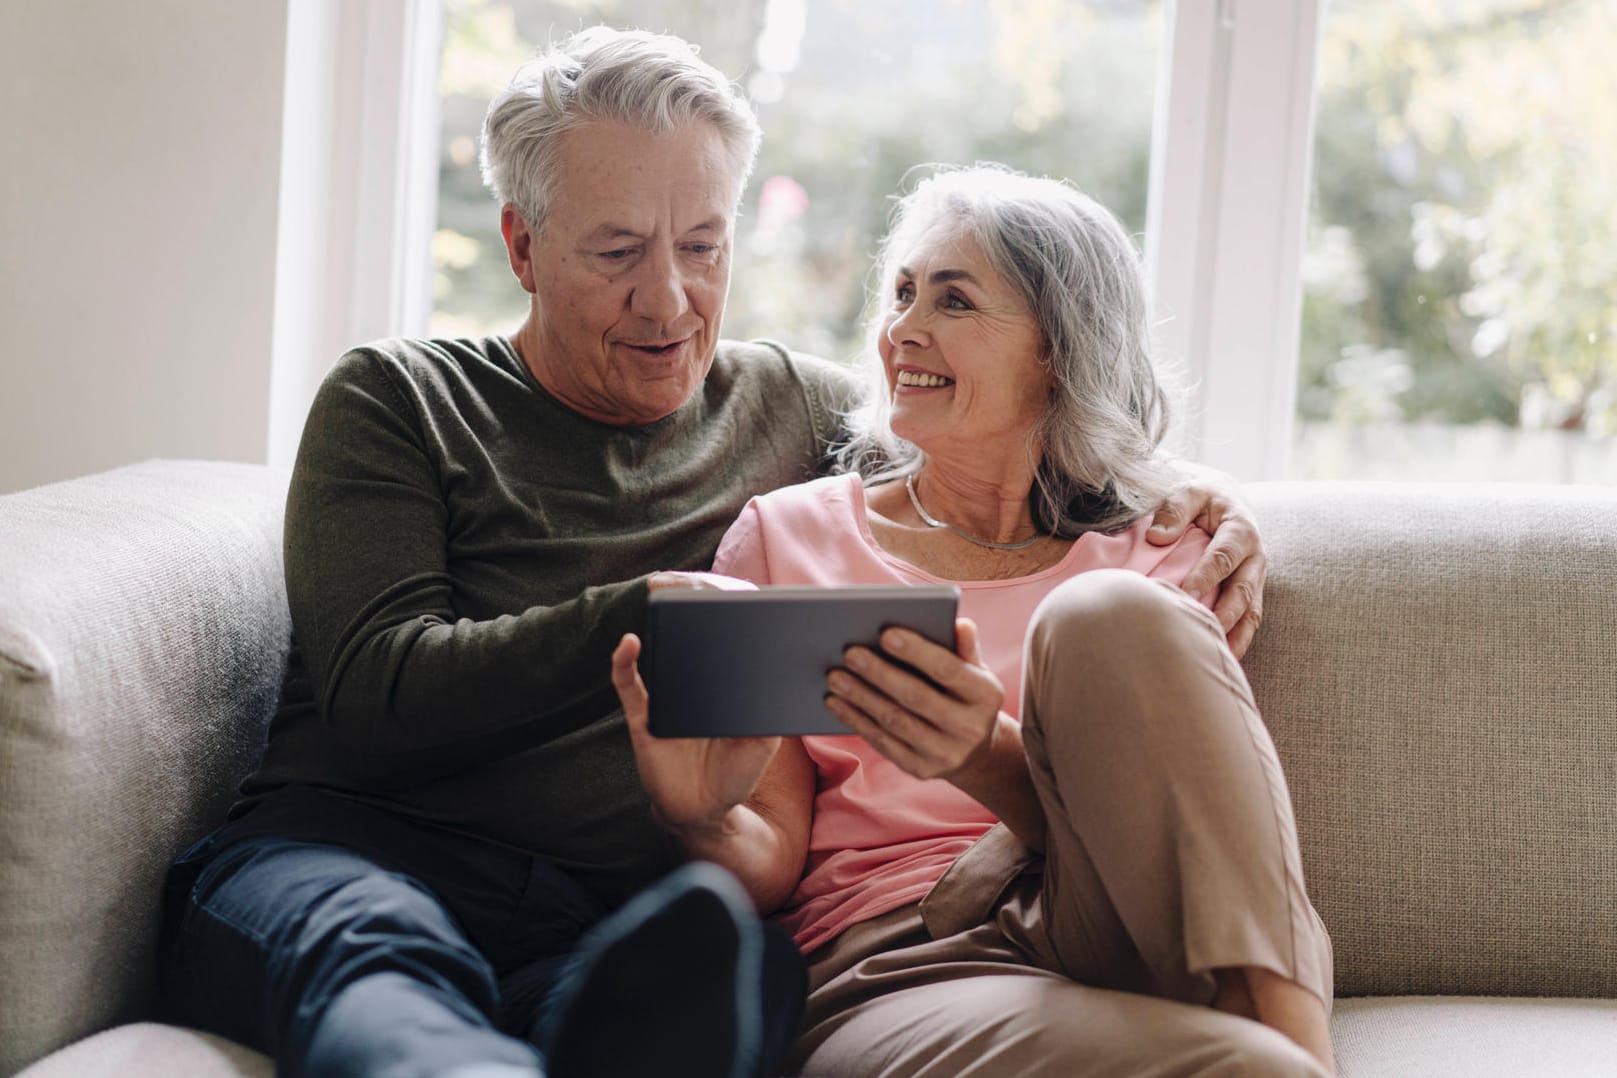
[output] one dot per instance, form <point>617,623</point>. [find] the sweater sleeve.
<point>393,669</point>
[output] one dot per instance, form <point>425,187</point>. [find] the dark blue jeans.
<point>346,940</point>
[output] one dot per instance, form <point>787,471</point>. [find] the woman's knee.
<point>1100,636</point>
<point>1105,616</point>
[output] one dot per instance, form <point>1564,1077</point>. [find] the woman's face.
<point>961,349</point>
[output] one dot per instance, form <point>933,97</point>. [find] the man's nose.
<point>659,288</point>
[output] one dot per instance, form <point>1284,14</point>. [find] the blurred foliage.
<point>1460,265</point>
<point>851,96</point>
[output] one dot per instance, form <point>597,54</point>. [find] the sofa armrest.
<point>143,636</point>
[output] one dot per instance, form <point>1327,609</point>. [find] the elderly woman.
<point>1010,448</point>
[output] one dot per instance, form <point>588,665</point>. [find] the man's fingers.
<point>626,680</point>
<point>1237,598</point>
<point>1171,519</point>
<point>1217,564</point>
<point>1241,637</point>
<point>624,657</point>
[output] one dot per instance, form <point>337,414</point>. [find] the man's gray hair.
<point>1080,274</point>
<point>652,81</point>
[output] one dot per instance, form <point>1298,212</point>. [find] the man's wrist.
<point>698,833</point>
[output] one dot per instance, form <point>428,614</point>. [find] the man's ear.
<point>518,244</point>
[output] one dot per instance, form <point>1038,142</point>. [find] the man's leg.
<point>682,981</point>
<point>331,963</point>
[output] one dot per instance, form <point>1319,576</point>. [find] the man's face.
<point>629,270</point>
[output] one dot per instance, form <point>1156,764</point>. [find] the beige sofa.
<point>1438,665</point>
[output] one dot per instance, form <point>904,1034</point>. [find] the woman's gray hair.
<point>1080,274</point>
<point>652,81</point>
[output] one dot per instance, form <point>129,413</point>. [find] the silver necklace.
<point>934,522</point>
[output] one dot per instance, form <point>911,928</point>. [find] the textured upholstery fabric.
<point>1438,665</point>
<point>143,632</point>
<point>1457,1037</point>
<point>149,1050</point>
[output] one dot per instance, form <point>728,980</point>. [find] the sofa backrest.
<point>1438,666</point>
<point>143,634</point>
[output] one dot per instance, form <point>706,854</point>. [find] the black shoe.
<point>670,985</point>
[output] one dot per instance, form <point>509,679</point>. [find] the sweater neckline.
<point>668,422</point>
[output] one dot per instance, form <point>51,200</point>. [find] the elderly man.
<point>446,862</point>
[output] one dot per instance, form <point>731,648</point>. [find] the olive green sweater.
<point>463,553</point>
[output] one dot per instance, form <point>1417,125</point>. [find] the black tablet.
<point>753,663</point>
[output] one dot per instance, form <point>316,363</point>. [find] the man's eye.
<point>618,254</point>
<point>702,248</point>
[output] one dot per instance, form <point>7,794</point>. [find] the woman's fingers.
<point>928,730</point>
<point>959,674</point>
<point>881,736</point>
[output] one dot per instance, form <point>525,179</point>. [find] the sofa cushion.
<point>143,632</point>
<point>150,1050</point>
<point>1469,1037</point>
<point>1438,665</point>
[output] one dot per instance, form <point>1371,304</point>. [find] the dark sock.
<point>671,985</point>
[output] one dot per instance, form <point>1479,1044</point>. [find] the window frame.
<point>1232,148</point>
<point>359,191</point>
<point>1232,153</point>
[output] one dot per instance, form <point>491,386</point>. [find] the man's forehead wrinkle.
<point>620,229</point>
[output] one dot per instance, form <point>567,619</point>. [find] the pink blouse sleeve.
<point>1182,556</point>
<point>741,551</point>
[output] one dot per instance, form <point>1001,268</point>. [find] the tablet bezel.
<point>753,663</point>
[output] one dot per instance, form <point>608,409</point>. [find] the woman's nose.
<point>906,327</point>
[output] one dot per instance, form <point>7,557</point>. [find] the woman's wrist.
<point>998,754</point>
<point>998,779</point>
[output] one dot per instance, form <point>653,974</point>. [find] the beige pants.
<point>1172,852</point>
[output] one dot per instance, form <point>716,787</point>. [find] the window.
<point>1460,278</point>
<point>850,95</point>
<point>1380,232</point>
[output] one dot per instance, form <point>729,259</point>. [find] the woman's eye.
<point>903,293</point>
<point>956,302</point>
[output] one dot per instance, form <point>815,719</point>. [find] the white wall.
<point>138,209</point>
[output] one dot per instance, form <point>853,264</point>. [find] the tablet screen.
<point>753,663</point>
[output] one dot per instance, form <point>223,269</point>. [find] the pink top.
<point>880,838</point>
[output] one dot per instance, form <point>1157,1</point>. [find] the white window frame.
<point>1232,146</point>
<point>359,191</point>
<point>1232,150</point>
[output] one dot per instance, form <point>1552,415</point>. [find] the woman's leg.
<point>1172,847</point>
<point>891,1002</point>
